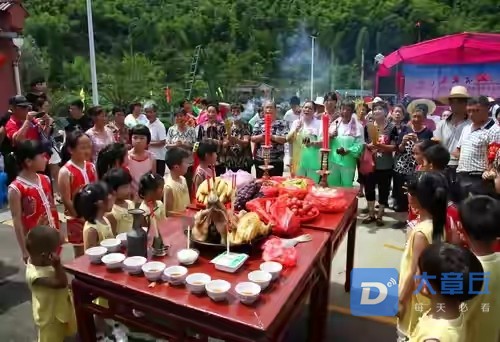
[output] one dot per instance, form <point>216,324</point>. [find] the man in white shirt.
<point>473,147</point>
<point>158,137</point>
<point>294,112</point>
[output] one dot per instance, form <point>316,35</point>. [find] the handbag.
<point>366,162</point>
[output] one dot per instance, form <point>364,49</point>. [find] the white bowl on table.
<point>187,256</point>
<point>272,267</point>
<point>248,292</point>
<point>123,239</point>
<point>96,253</point>
<point>113,245</point>
<point>153,270</point>
<point>260,278</point>
<point>196,282</point>
<point>133,265</point>
<point>217,289</point>
<point>175,275</point>
<point>113,261</point>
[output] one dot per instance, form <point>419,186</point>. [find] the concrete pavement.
<point>375,247</point>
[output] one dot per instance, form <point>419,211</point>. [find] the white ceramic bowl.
<point>272,267</point>
<point>113,261</point>
<point>196,282</point>
<point>133,264</point>
<point>113,245</point>
<point>96,253</point>
<point>175,275</point>
<point>123,239</point>
<point>187,256</point>
<point>248,292</point>
<point>260,278</point>
<point>153,270</point>
<point>217,289</point>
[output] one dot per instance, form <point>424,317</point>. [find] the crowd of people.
<point>107,166</point>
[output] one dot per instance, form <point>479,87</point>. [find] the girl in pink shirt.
<point>139,159</point>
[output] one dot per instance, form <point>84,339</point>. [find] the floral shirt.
<point>405,163</point>
<point>278,127</point>
<point>238,156</point>
<point>188,135</point>
<point>215,131</point>
<point>99,140</point>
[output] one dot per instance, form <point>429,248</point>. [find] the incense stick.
<point>189,237</point>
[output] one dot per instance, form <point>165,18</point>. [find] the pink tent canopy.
<point>462,48</point>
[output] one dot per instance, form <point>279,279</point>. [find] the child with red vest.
<point>30,196</point>
<point>76,173</point>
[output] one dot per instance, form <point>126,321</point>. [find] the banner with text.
<point>434,81</point>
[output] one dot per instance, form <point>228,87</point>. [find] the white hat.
<point>431,106</point>
<point>375,100</point>
<point>320,101</point>
<point>456,92</point>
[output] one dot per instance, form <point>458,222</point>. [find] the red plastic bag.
<point>328,203</point>
<point>274,250</point>
<point>261,206</point>
<point>269,191</point>
<point>366,162</point>
<point>286,223</point>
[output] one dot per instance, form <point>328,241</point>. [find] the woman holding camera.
<point>305,137</point>
<point>346,134</point>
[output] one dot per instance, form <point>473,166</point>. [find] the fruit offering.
<point>299,183</point>
<point>245,194</point>
<point>223,190</point>
<point>303,209</point>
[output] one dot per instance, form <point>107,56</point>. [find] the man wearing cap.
<point>473,147</point>
<point>449,130</point>
<point>21,125</point>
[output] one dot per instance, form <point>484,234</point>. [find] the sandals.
<point>370,219</point>
<point>379,222</point>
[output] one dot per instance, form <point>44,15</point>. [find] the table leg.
<point>351,242</point>
<point>84,319</point>
<point>318,306</point>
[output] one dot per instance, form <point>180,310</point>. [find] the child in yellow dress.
<point>92,202</point>
<point>176,192</point>
<point>444,321</point>
<point>53,310</point>
<point>427,193</point>
<point>119,180</point>
<point>479,217</point>
<point>151,191</point>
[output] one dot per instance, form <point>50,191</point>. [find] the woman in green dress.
<point>305,137</point>
<point>346,144</point>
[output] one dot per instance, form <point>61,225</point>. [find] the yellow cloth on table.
<point>180,193</point>
<point>53,310</point>
<point>123,219</point>
<point>410,317</point>
<point>103,232</point>
<point>442,330</point>
<point>482,319</point>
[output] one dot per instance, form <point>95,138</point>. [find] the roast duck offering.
<point>217,225</point>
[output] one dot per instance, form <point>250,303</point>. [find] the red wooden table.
<point>338,225</point>
<point>172,312</point>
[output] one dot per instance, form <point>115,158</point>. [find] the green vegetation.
<point>144,46</point>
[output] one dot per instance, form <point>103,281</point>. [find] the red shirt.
<point>14,125</point>
<point>80,177</point>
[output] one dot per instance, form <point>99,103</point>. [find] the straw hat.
<point>456,92</point>
<point>431,106</point>
<point>374,101</point>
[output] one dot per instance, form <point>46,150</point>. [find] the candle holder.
<point>324,172</point>
<point>266,154</point>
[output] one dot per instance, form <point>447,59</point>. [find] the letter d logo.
<point>366,290</point>
<point>370,295</point>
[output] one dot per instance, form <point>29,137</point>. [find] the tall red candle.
<point>326,136</point>
<point>267,129</point>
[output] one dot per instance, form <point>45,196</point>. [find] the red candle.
<point>326,136</point>
<point>267,129</point>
